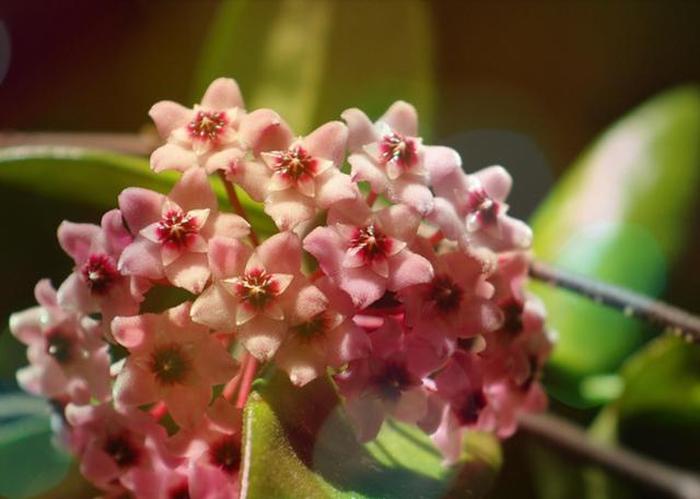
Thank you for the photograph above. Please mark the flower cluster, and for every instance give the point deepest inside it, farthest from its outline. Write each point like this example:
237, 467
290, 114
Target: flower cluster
397, 274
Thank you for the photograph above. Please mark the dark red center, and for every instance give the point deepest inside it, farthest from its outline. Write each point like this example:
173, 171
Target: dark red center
177, 229
60, 346
295, 163
445, 294
392, 379
513, 317
397, 149
122, 450
468, 408
312, 329
480, 204
181, 491
170, 364
370, 243
207, 125
225, 453
99, 273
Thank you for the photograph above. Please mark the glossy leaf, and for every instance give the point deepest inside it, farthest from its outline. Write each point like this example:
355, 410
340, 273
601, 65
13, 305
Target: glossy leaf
96, 177
29, 463
620, 215
311, 60
297, 443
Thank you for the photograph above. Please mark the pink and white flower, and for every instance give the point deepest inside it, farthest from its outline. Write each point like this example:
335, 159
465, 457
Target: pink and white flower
170, 359
193, 135
173, 231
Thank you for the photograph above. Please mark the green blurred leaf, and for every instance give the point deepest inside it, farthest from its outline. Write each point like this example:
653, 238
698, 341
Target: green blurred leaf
297, 443
97, 177
620, 215
29, 464
310, 60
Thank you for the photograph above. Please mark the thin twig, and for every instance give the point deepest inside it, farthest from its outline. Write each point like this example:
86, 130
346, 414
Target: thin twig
656, 312
568, 437
140, 144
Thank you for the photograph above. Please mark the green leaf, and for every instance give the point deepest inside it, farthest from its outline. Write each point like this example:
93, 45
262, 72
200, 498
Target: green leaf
29, 463
298, 443
310, 61
97, 177
620, 215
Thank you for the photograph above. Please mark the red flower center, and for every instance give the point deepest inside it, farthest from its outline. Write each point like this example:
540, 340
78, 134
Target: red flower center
177, 229
482, 209
445, 293
513, 317
99, 273
469, 407
226, 454
370, 243
60, 346
257, 288
122, 450
181, 491
392, 379
207, 125
397, 149
295, 163
314, 328
170, 364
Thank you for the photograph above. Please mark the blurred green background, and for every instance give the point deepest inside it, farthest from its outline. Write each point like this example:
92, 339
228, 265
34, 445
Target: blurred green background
528, 85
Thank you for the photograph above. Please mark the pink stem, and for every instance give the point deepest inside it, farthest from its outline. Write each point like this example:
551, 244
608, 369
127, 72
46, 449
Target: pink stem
249, 369
237, 206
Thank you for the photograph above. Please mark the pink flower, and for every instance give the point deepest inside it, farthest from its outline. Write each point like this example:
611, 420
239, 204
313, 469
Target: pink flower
384, 383
389, 156
113, 445
471, 208
96, 285
173, 231
456, 302
295, 177
170, 359
252, 291
319, 335
67, 356
366, 253
193, 135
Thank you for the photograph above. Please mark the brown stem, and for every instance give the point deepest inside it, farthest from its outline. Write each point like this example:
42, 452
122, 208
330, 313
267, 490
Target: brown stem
237, 206
632, 304
128, 143
568, 437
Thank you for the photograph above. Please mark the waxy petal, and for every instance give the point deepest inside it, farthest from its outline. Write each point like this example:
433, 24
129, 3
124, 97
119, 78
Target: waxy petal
328, 142
172, 157
168, 116
222, 94
403, 118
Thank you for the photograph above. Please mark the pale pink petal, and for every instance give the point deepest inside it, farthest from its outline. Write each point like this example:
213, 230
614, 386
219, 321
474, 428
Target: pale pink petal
399, 221
442, 163
230, 225
44, 293
215, 308
214, 363
364, 169
135, 386
307, 301
169, 115
299, 361
496, 181
73, 294
351, 212
140, 207
222, 93
265, 130
187, 403
172, 157
412, 193
227, 257
131, 332
448, 437
252, 176
328, 141
26, 325
347, 342
262, 336
116, 236
412, 406
446, 218
96, 465
360, 129
193, 191
76, 239
407, 269
402, 117
142, 258
289, 208
281, 253
190, 271
332, 186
